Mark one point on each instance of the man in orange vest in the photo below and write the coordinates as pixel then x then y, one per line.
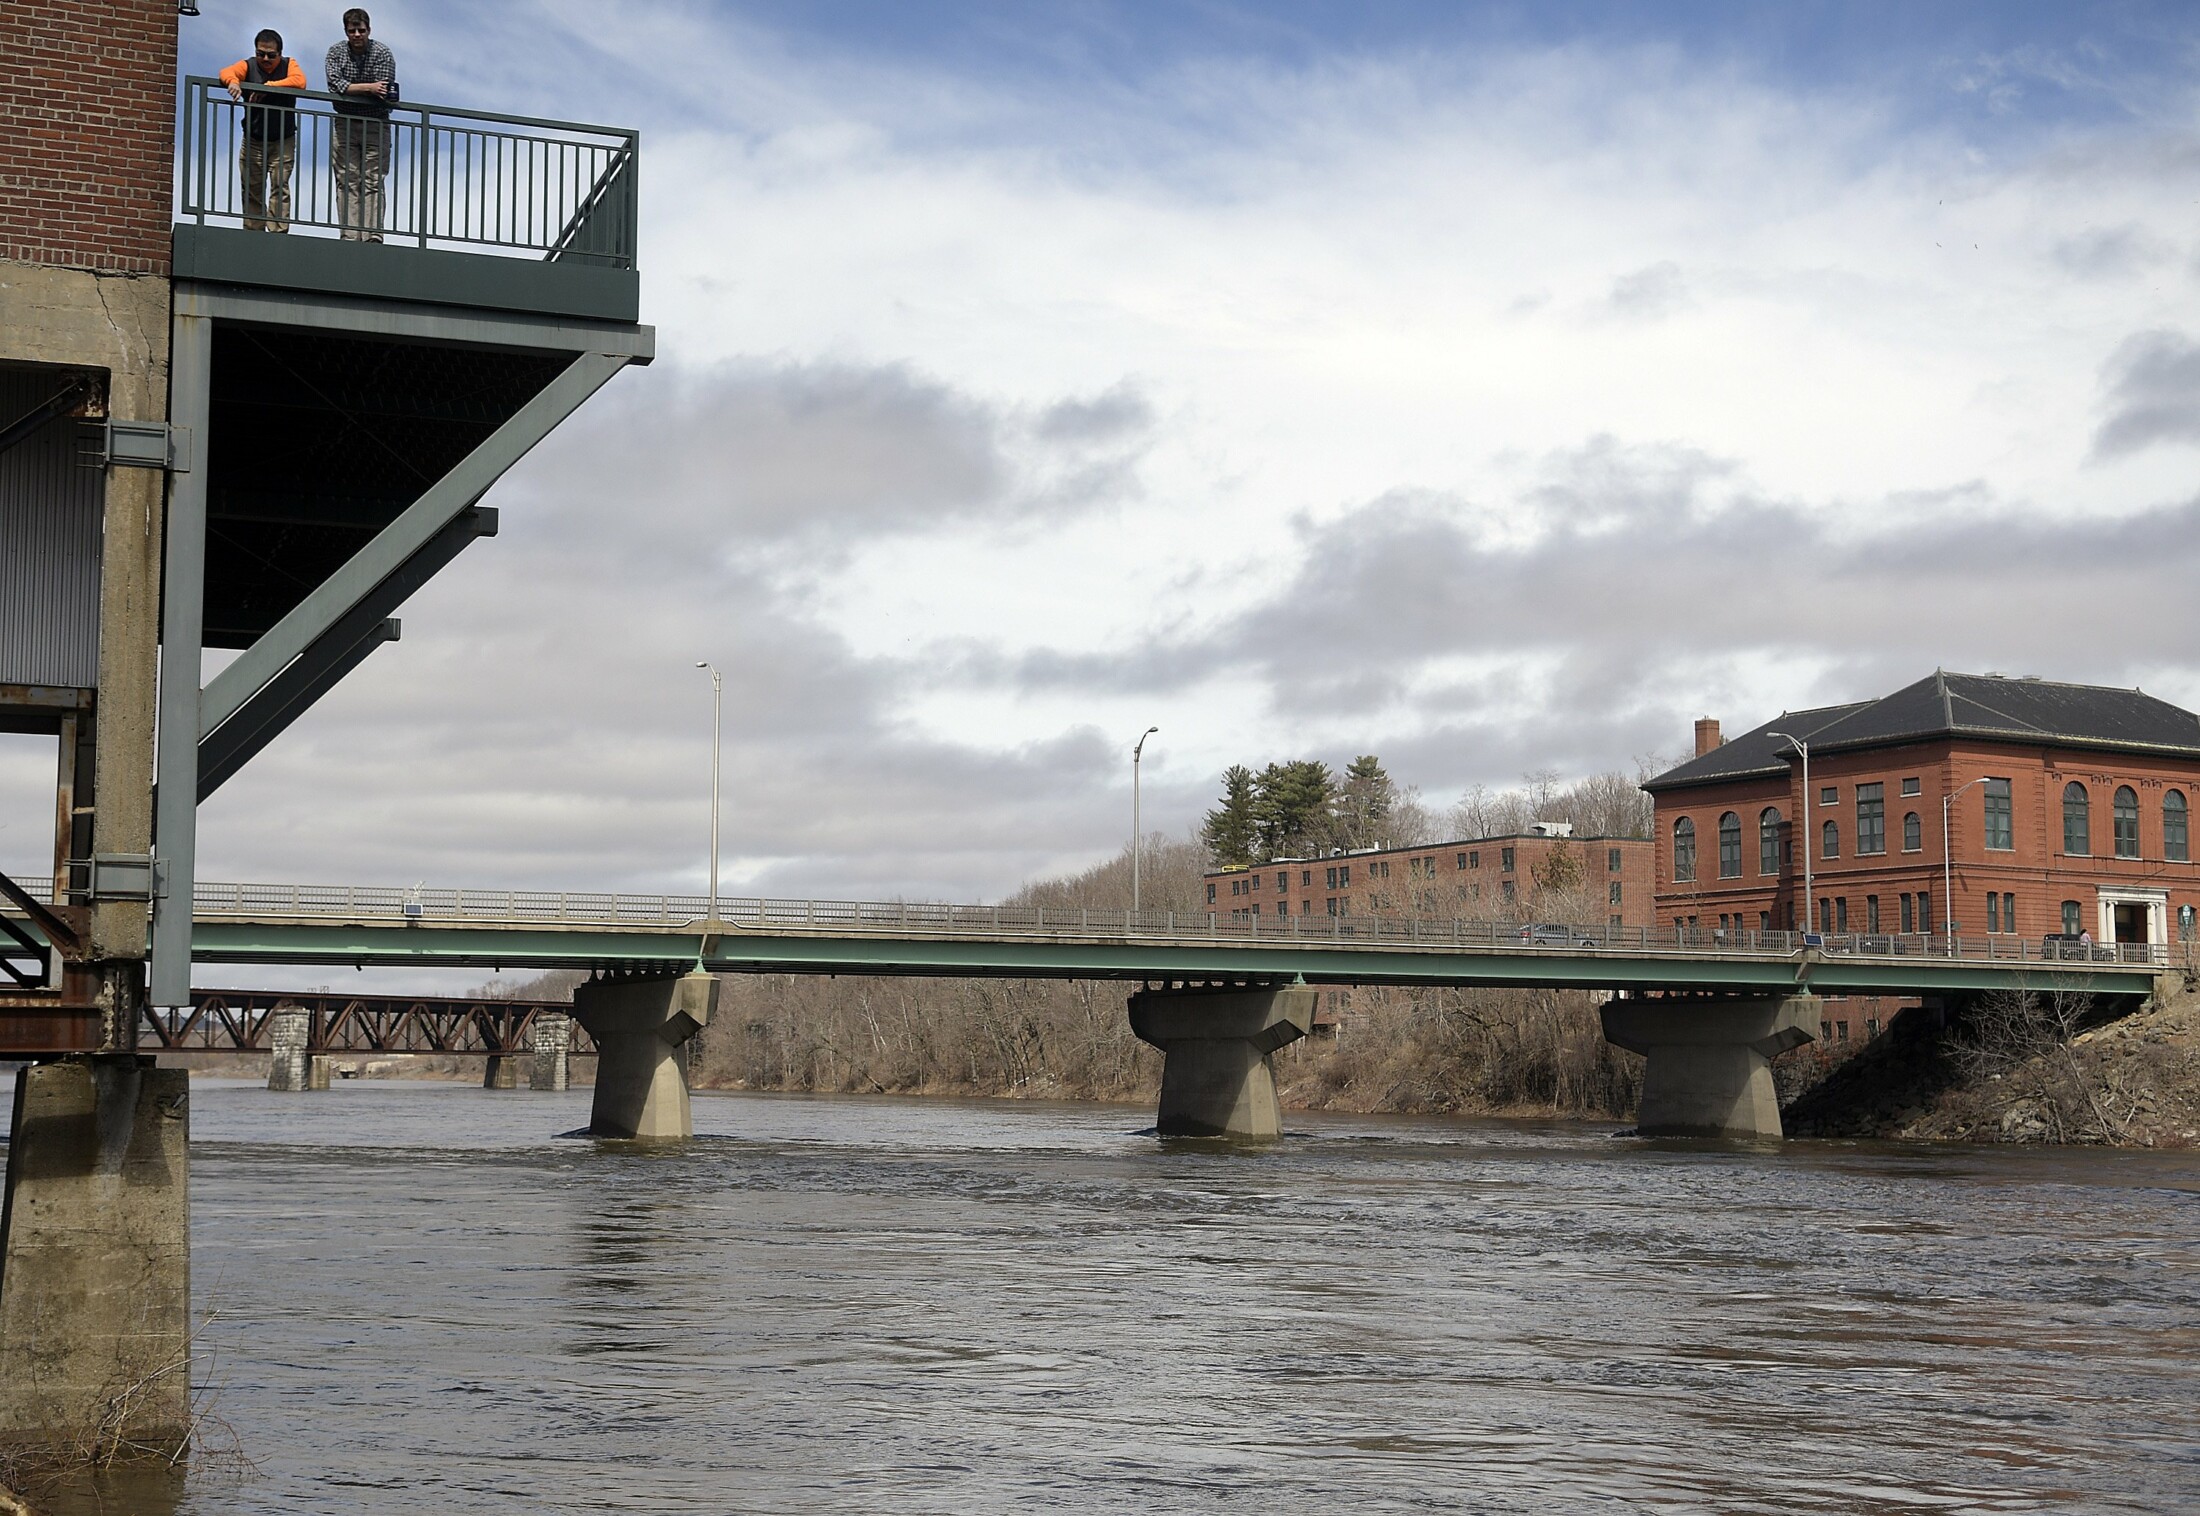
pixel 268 149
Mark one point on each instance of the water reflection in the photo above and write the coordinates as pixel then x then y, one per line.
pixel 430 1304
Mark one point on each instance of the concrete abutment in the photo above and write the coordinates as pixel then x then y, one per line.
pixel 95 1285
pixel 550 1050
pixel 1707 1063
pixel 641 1028
pixel 1216 1078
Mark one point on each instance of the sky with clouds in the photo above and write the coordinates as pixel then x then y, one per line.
pixel 1489 387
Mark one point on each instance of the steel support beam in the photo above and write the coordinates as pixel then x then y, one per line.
pixel 420 523
pixel 287 697
pixel 183 617
pixel 356 633
pixel 512 331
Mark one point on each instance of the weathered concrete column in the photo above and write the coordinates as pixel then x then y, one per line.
pixel 95 1254
pixel 550 1039
pixel 501 1074
pixel 1216 1080
pixel 1707 1073
pixel 289 1033
pixel 639 1026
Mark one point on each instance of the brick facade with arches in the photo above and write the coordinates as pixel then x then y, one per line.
pixel 2069 810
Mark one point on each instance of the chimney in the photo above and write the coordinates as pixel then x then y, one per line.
pixel 1707 734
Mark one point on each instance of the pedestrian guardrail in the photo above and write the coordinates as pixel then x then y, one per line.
pixel 914 918
pixel 447 176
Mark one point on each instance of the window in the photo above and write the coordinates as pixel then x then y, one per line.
pixel 1332 905
pixel 1462 860
pixel 1344 875
pixel 1993 911
pixel 1329 877
pixel 2127 821
pixel 1829 840
pixel 1505 860
pixel 1283 881
pixel 1253 883
pixel 1306 878
pixel 1909 913
pixel 1913 833
pixel 1924 910
pixel 2187 926
pixel 1841 914
pixel 1210 894
pixel 1510 890
pixel 1829 795
pixel 1474 859
pixel 2000 832
pixel 1764 921
pixel 2077 819
pixel 2176 839
pixel 1768 840
pixel 1871 819
pixel 1614 857
pixel 2070 917
pixel 1730 846
pixel 1684 850
pixel 1618 922
pixel 1612 895
pixel 1909 787
pixel 1871 913
pixel 2008 913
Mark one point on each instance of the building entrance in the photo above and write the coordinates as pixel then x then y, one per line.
pixel 2131 923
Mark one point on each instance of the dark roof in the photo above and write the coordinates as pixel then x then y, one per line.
pixel 1984 707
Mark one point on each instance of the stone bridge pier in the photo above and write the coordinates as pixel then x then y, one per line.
pixel 641 1027
pixel 1708 1071
pixel 1216 1077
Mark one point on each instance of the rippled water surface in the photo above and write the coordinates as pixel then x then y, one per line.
pixel 424 1301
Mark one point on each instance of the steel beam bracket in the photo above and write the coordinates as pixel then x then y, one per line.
pixel 143 444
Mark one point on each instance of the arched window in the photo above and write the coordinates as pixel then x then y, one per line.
pixel 1913 833
pixel 2176 838
pixel 2127 821
pixel 2077 819
pixel 1730 846
pixel 1768 840
pixel 1684 850
pixel 1830 841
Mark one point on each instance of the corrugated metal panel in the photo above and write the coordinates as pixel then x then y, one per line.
pixel 49 545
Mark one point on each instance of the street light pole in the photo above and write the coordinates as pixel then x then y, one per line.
pixel 1948 862
pixel 717 732
pixel 1803 830
pixel 1137 842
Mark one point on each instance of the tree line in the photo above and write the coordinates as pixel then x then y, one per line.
pixel 1301 808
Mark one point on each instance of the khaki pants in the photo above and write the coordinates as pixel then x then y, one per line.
pixel 360 147
pixel 266 163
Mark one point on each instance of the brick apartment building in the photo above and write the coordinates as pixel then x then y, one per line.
pixel 2068 810
pixel 1585 880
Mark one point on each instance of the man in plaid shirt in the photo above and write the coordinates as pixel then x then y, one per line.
pixel 364 73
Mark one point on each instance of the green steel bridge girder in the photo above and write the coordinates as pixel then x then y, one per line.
pixel 381 945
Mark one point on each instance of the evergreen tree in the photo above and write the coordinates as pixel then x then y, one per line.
pixel 1360 810
pixel 1292 811
pixel 1232 828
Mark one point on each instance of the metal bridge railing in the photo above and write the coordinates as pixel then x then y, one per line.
pixel 308 902
pixel 474 180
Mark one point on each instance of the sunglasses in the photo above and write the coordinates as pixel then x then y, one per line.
pixel 266 52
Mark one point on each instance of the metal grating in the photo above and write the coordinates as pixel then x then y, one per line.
pixel 49 542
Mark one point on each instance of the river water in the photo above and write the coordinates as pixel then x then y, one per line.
pixel 422 1300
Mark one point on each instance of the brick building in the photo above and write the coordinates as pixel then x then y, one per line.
pixel 1584 880
pixel 2067 810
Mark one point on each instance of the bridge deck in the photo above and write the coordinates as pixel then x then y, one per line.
pixel 255 924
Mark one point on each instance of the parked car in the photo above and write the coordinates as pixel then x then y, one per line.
pixel 2075 945
pixel 1555 934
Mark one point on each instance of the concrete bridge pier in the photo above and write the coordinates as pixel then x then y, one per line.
pixel 1216 1078
pixel 95 1255
pixel 640 1027
pixel 501 1073
pixel 289 1035
pixel 550 1046
pixel 1707 1071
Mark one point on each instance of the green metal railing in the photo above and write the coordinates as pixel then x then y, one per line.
pixel 450 177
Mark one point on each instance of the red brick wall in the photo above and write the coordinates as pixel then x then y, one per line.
pixel 1447 881
pixel 87 129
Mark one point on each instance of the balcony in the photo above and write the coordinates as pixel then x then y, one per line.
pixel 489 211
